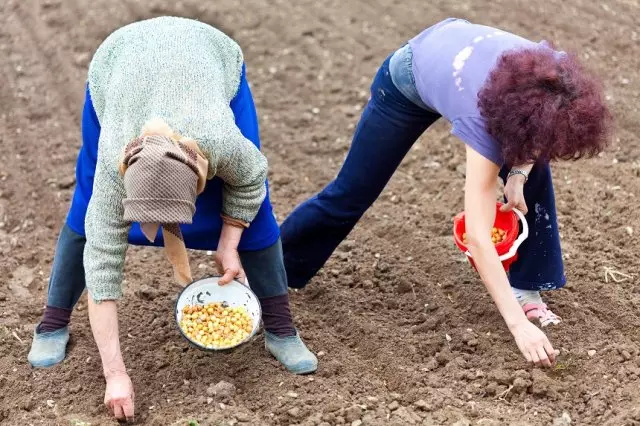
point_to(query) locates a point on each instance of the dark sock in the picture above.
(54, 319)
(276, 316)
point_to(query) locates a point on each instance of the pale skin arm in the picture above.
(480, 199)
(119, 396)
(227, 257)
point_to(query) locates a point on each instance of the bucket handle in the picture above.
(516, 244)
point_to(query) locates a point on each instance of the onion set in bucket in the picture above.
(507, 248)
(204, 308)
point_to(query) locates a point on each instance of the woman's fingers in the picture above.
(522, 206)
(544, 357)
(550, 351)
(128, 409)
(507, 206)
(228, 276)
(118, 413)
(535, 358)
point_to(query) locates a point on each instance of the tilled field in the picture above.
(404, 330)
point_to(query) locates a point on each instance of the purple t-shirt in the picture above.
(451, 61)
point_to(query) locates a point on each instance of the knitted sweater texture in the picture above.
(183, 72)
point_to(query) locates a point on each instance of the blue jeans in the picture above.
(392, 121)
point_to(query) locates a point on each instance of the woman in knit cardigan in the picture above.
(170, 138)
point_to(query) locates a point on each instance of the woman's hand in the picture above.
(228, 265)
(533, 344)
(119, 396)
(227, 257)
(514, 192)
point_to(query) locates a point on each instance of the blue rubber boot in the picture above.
(291, 352)
(48, 349)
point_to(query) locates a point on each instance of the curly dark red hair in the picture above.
(541, 105)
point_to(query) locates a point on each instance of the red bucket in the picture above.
(508, 248)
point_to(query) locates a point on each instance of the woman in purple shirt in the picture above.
(517, 105)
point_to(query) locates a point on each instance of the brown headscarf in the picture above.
(162, 179)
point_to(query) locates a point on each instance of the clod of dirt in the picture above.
(330, 369)
(521, 385)
(353, 413)
(444, 357)
(472, 343)
(333, 407)
(347, 245)
(81, 59)
(406, 416)
(523, 374)
(493, 388)
(633, 416)
(67, 182)
(431, 365)
(423, 405)
(564, 420)
(468, 336)
(392, 304)
(542, 385)
(394, 405)
(431, 323)
(294, 412)
(462, 422)
(372, 418)
(395, 396)
(28, 404)
(222, 389)
(241, 416)
(356, 422)
(500, 376)
(146, 293)
(404, 287)
(591, 352)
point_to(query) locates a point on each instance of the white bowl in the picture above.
(233, 294)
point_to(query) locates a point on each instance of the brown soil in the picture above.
(379, 314)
